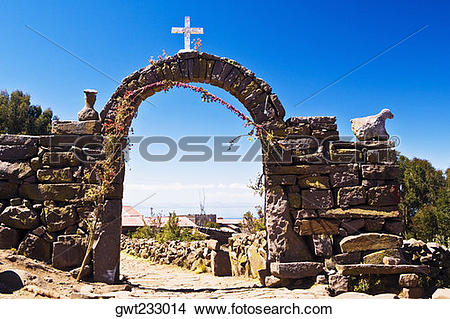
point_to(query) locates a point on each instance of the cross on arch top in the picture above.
(187, 30)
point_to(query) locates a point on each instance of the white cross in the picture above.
(187, 30)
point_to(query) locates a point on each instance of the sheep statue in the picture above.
(372, 127)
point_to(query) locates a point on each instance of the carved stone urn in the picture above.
(88, 112)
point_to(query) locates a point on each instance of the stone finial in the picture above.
(372, 127)
(88, 112)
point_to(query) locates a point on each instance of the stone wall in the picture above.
(42, 211)
(195, 255)
(248, 255)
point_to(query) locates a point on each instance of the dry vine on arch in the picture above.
(115, 131)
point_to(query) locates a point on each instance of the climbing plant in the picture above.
(106, 171)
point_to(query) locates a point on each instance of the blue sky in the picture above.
(296, 46)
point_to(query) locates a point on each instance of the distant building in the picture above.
(132, 219)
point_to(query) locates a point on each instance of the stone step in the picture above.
(296, 269)
(377, 269)
(370, 241)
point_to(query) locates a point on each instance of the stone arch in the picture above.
(254, 93)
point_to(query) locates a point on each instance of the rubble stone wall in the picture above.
(42, 211)
(195, 255)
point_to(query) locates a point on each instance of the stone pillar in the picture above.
(106, 257)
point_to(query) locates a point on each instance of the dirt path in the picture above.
(143, 280)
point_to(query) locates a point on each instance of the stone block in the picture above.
(380, 172)
(338, 284)
(322, 245)
(9, 237)
(61, 175)
(297, 169)
(309, 227)
(408, 280)
(19, 217)
(319, 182)
(370, 241)
(17, 152)
(351, 196)
(393, 226)
(257, 262)
(348, 258)
(296, 270)
(387, 156)
(317, 199)
(106, 251)
(377, 257)
(60, 159)
(388, 195)
(352, 226)
(68, 255)
(413, 293)
(12, 139)
(15, 171)
(295, 200)
(370, 269)
(374, 225)
(282, 180)
(56, 192)
(36, 247)
(220, 263)
(7, 190)
(361, 212)
(58, 218)
(76, 128)
(344, 175)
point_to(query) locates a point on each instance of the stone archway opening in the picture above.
(257, 97)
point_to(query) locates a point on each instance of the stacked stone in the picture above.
(195, 255)
(322, 194)
(41, 211)
(193, 66)
(248, 255)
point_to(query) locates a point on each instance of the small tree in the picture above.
(18, 116)
(252, 225)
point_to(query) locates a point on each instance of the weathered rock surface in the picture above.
(371, 269)
(370, 241)
(388, 195)
(380, 172)
(377, 257)
(20, 217)
(308, 227)
(338, 284)
(9, 237)
(7, 190)
(220, 263)
(351, 196)
(15, 171)
(68, 252)
(62, 175)
(347, 258)
(361, 212)
(74, 127)
(322, 245)
(17, 152)
(372, 127)
(296, 269)
(317, 199)
(408, 280)
(58, 218)
(36, 247)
